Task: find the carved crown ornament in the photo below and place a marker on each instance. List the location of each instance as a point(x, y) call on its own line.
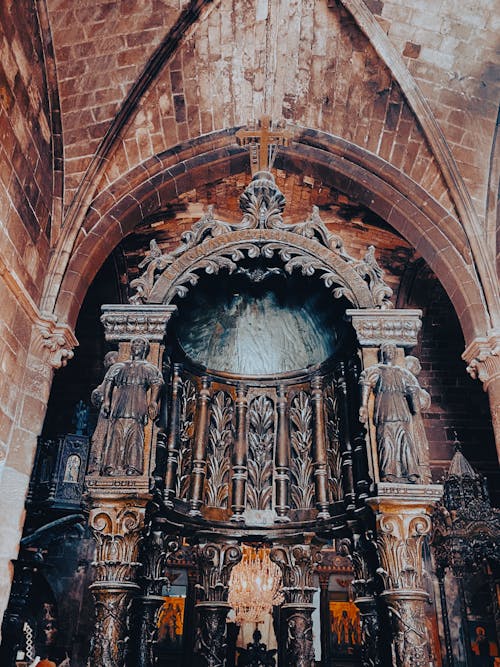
point(212, 245)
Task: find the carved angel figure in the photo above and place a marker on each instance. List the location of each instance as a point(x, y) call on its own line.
point(397, 399)
point(127, 407)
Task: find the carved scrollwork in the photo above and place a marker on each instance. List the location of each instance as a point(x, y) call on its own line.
point(215, 563)
point(110, 636)
point(212, 635)
point(297, 564)
point(212, 245)
point(157, 549)
point(260, 452)
point(117, 532)
point(411, 646)
point(301, 465)
point(300, 648)
point(399, 543)
point(220, 440)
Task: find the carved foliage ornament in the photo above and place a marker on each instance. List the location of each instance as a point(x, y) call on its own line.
point(297, 564)
point(220, 437)
point(300, 246)
point(215, 563)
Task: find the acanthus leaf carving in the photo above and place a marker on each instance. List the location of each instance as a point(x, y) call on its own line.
point(215, 562)
point(220, 437)
point(55, 340)
point(186, 434)
point(301, 465)
point(260, 450)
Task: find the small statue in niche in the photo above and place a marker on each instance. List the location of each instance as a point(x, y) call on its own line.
point(398, 398)
point(81, 418)
point(127, 408)
point(101, 430)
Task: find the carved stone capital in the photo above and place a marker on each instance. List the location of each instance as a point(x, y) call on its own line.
point(157, 548)
point(118, 530)
point(374, 327)
point(56, 341)
point(402, 522)
point(297, 564)
point(483, 359)
point(215, 562)
point(123, 322)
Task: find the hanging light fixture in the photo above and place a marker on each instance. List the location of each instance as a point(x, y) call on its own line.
point(254, 586)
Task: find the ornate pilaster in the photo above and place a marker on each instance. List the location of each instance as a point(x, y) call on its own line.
point(215, 563)
point(117, 527)
point(483, 362)
point(402, 514)
point(297, 564)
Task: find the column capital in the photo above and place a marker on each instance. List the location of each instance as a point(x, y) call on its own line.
point(123, 322)
point(56, 340)
point(483, 358)
point(374, 327)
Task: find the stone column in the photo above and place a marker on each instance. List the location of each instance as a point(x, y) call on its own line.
point(215, 563)
point(324, 614)
point(402, 515)
point(117, 527)
point(297, 564)
point(483, 362)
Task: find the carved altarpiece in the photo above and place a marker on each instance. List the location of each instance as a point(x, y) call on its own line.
point(279, 459)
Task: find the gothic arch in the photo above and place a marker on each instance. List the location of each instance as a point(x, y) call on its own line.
point(397, 199)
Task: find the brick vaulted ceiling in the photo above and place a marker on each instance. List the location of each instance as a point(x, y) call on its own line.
point(141, 79)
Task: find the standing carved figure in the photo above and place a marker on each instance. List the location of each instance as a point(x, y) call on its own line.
point(397, 400)
point(101, 430)
point(127, 407)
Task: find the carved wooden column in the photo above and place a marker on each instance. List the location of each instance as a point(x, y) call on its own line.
point(324, 614)
point(483, 363)
point(189, 633)
point(319, 449)
point(157, 547)
point(402, 514)
point(118, 498)
point(297, 564)
point(173, 438)
point(199, 449)
point(240, 457)
point(282, 463)
point(215, 564)
point(117, 529)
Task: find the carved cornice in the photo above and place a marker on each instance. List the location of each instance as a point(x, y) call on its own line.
point(374, 327)
point(483, 359)
point(124, 322)
point(55, 341)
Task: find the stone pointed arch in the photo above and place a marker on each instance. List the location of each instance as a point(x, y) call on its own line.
point(483, 254)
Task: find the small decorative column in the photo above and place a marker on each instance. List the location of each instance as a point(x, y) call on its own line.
point(324, 614)
point(362, 553)
point(200, 444)
point(123, 452)
point(297, 564)
point(215, 563)
point(319, 449)
point(402, 514)
point(157, 548)
point(483, 362)
point(281, 460)
point(240, 471)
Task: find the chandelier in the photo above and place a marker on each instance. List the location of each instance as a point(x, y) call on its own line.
point(254, 586)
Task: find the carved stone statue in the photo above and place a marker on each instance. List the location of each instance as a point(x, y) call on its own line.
point(398, 398)
point(101, 430)
point(127, 408)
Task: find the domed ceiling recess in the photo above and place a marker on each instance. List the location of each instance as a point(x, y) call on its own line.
point(260, 322)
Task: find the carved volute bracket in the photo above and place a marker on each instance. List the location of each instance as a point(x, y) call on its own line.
point(297, 564)
point(403, 520)
point(55, 341)
point(215, 562)
point(483, 363)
